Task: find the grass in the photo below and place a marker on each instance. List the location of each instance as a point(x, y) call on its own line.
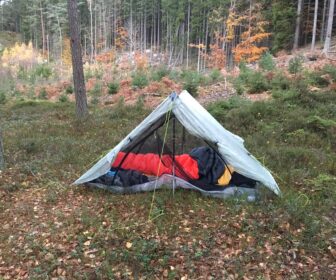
point(52, 229)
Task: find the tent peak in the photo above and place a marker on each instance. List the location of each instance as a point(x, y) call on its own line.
point(173, 96)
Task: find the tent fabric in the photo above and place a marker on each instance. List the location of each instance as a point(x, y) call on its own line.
point(198, 122)
point(167, 181)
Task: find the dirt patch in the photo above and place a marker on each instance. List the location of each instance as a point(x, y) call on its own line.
point(215, 92)
point(258, 96)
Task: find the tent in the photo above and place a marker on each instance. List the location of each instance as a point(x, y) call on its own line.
point(177, 130)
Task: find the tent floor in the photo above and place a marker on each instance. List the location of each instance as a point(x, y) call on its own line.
point(170, 182)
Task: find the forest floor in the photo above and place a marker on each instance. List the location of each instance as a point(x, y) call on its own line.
point(53, 230)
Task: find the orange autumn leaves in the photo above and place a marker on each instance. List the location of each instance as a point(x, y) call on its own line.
point(244, 33)
point(250, 47)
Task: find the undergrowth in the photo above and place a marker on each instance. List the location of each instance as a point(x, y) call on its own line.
point(46, 150)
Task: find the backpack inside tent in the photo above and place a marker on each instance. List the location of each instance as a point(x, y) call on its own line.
point(180, 145)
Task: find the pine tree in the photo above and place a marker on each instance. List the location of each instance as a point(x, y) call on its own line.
point(77, 63)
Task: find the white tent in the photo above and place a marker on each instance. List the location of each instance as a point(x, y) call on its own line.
point(198, 122)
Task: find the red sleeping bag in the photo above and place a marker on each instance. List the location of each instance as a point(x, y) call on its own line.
point(149, 164)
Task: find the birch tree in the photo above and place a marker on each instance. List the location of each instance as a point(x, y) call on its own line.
point(315, 25)
point(297, 25)
point(327, 41)
point(2, 154)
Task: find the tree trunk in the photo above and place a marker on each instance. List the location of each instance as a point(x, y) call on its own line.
point(48, 50)
point(297, 27)
point(323, 20)
point(2, 18)
point(315, 24)
point(104, 26)
point(329, 27)
point(91, 31)
point(60, 38)
point(42, 29)
point(199, 56)
point(188, 34)
point(131, 26)
point(2, 154)
point(158, 30)
point(145, 28)
point(95, 31)
point(77, 62)
point(307, 23)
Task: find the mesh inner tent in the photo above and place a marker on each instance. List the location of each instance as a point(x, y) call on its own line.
point(169, 141)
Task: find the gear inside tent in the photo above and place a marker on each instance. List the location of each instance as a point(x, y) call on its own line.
point(180, 145)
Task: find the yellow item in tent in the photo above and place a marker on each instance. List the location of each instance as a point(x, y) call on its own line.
point(224, 180)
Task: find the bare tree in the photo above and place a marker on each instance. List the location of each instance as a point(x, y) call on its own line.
point(42, 29)
point(329, 27)
point(77, 61)
point(2, 155)
point(323, 20)
point(315, 24)
point(297, 26)
point(188, 34)
point(91, 31)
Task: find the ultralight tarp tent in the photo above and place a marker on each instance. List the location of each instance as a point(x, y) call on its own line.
point(199, 123)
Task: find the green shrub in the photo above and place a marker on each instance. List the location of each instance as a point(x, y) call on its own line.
point(139, 80)
point(266, 62)
point(284, 93)
point(88, 74)
point(43, 94)
point(215, 75)
point(159, 73)
point(295, 64)
point(244, 73)
point(174, 75)
point(331, 70)
point(63, 98)
point(220, 108)
point(22, 73)
point(96, 90)
point(3, 98)
point(315, 78)
point(113, 87)
point(250, 81)
point(43, 71)
point(95, 73)
point(95, 100)
point(69, 89)
point(238, 85)
point(280, 81)
point(191, 81)
point(257, 83)
point(318, 124)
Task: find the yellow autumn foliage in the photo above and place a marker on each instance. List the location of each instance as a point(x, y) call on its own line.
point(20, 56)
point(66, 53)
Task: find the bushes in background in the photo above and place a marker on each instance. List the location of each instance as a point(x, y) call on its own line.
point(139, 80)
point(295, 64)
point(3, 98)
point(159, 73)
point(215, 75)
point(113, 87)
point(43, 71)
point(191, 81)
point(266, 62)
point(250, 81)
